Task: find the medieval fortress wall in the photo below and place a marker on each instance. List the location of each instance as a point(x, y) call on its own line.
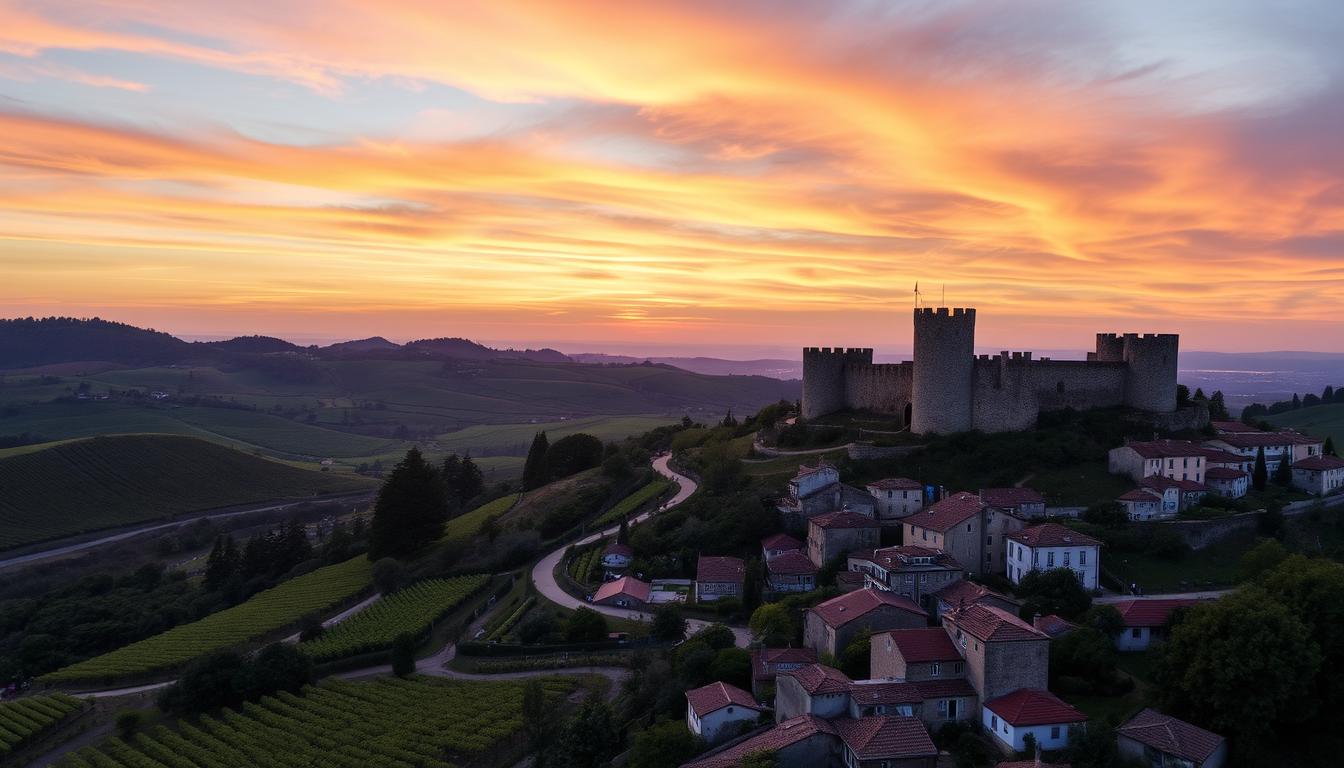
point(948, 388)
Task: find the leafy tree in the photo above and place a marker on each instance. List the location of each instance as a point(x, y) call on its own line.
point(729, 420)
point(1309, 400)
point(1297, 402)
point(535, 471)
point(1104, 618)
point(1108, 514)
point(588, 740)
point(388, 575)
point(278, 667)
point(1259, 475)
point(623, 532)
point(772, 625)
point(207, 684)
point(462, 479)
point(128, 723)
point(668, 622)
point(733, 666)
point(573, 454)
point(1085, 653)
point(1263, 557)
point(310, 627)
point(1329, 448)
point(717, 636)
point(538, 722)
point(751, 585)
point(411, 509)
point(1217, 407)
point(1054, 591)
point(221, 564)
point(854, 658)
point(1283, 473)
point(1182, 395)
point(403, 655)
point(1241, 665)
point(586, 626)
point(617, 466)
point(665, 745)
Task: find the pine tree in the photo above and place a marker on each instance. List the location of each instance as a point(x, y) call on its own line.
point(1218, 408)
point(218, 567)
point(1329, 449)
point(410, 511)
point(1283, 473)
point(623, 533)
point(470, 481)
point(1328, 394)
point(1297, 401)
point(536, 472)
point(1199, 394)
point(1260, 475)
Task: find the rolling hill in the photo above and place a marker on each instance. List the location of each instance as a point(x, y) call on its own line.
point(104, 482)
point(1319, 421)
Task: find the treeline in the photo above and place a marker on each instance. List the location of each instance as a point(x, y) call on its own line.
point(1255, 412)
point(416, 501)
point(1217, 408)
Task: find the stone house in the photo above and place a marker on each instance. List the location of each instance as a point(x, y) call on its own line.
point(1030, 711)
point(814, 689)
point(963, 526)
point(719, 577)
point(1173, 459)
point(720, 711)
point(818, 490)
point(885, 742)
point(960, 594)
point(1320, 474)
point(1151, 738)
point(834, 533)
point(1144, 504)
point(927, 659)
point(767, 663)
point(1051, 545)
point(830, 626)
point(812, 742)
point(1025, 503)
point(625, 592)
point(790, 572)
point(1227, 482)
point(895, 498)
point(778, 544)
point(801, 742)
point(1002, 652)
point(910, 571)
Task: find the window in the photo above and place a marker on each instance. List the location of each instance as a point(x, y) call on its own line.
point(1035, 558)
point(1054, 732)
point(1082, 557)
point(968, 527)
point(1134, 632)
point(923, 577)
point(925, 535)
point(957, 667)
point(993, 722)
point(942, 707)
point(989, 539)
point(935, 669)
point(1066, 559)
point(1049, 559)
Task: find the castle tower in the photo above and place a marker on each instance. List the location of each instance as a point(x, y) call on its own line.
point(1150, 384)
point(1110, 348)
point(824, 378)
point(944, 362)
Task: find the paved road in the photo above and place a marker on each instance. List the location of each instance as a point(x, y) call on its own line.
point(69, 549)
point(543, 574)
point(1206, 595)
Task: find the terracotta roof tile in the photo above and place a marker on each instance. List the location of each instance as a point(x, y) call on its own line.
point(886, 738)
point(818, 678)
point(895, 484)
point(917, 646)
point(1233, 427)
point(839, 611)
point(783, 735)
point(872, 692)
point(1153, 613)
point(617, 548)
point(716, 696)
point(843, 519)
point(1140, 494)
point(1029, 706)
point(1223, 473)
point(764, 661)
point(1031, 764)
point(1053, 535)
point(947, 513)
point(1166, 449)
point(903, 558)
point(1053, 625)
point(781, 541)
point(1010, 497)
point(945, 689)
point(992, 624)
point(628, 586)
point(791, 563)
point(967, 593)
point(714, 569)
point(1167, 734)
point(1320, 463)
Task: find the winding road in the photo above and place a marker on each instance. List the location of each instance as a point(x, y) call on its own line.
point(543, 573)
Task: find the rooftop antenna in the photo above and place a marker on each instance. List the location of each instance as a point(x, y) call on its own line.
point(916, 294)
point(944, 294)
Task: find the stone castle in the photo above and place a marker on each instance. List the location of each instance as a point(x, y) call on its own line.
point(947, 388)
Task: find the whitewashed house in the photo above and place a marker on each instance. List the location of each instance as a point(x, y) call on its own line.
point(1320, 474)
point(1030, 711)
point(1049, 546)
point(719, 711)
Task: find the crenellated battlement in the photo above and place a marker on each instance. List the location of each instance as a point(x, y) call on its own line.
point(946, 311)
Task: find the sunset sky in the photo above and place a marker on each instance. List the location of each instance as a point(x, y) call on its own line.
point(677, 175)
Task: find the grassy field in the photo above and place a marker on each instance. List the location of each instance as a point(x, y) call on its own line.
point(421, 721)
point(633, 502)
point(103, 482)
point(489, 439)
point(1217, 565)
point(1079, 486)
point(1319, 420)
point(261, 615)
point(465, 526)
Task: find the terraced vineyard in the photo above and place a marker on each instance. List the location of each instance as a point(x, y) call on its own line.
point(24, 721)
point(633, 502)
point(410, 610)
point(264, 613)
point(416, 723)
point(466, 525)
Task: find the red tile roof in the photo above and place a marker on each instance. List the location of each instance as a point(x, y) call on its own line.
point(804, 470)
point(1233, 427)
point(949, 688)
point(720, 569)
point(992, 624)
point(716, 696)
point(1214, 456)
point(1053, 625)
point(849, 577)
point(839, 611)
point(903, 557)
point(818, 678)
point(1174, 737)
point(1320, 463)
point(1140, 494)
point(781, 541)
point(873, 692)
point(1160, 482)
point(617, 548)
point(843, 519)
point(1166, 449)
point(886, 738)
point(895, 484)
point(918, 646)
point(627, 586)
point(785, 734)
point(1223, 473)
point(947, 513)
point(791, 563)
point(1267, 439)
point(1029, 706)
point(1153, 613)
point(1053, 535)
point(1010, 497)
point(764, 660)
point(964, 592)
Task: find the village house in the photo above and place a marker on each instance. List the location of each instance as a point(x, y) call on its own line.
point(1276, 445)
point(960, 594)
point(767, 663)
point(1050, 545)
point(927, 659)
point(1174, 459)
point(617, 556)
point(849, 581)
point(870, 698)
point(963, 526)
point(790, 572)
point(801, 742)
point(1037, 712)
point(719, 577)
point(1320, 474)
point(910, 571)
point(886, 742)
point(1002, 652)
point(1153, 739)
point(895, 498)
point(720, 711)
point(625, 592)
point(1227, 482)
point(818, 490)
point(835, 533)
point(1145, 504)
point(812, 742)
point(1052, 624)
point(830, 626)
point(1025, 503)
point(778, 544)
point(1146, 621)
point(814, 689)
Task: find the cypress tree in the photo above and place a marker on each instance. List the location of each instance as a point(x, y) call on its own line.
point(535, 469)
point(1260, 475)
point(623, 533)
point(1328, 394)
point(218, 567)
point(1329, 449)
point(470, 481)
point(1297, 401)
point(411, 509)
point(1283, 474)
point(1218, 408)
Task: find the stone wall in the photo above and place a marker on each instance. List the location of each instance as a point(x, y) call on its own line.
point(883, 388)
point(1014, 665)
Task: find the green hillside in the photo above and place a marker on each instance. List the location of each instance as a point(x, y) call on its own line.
point(1319, 421)
point(103, 482)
